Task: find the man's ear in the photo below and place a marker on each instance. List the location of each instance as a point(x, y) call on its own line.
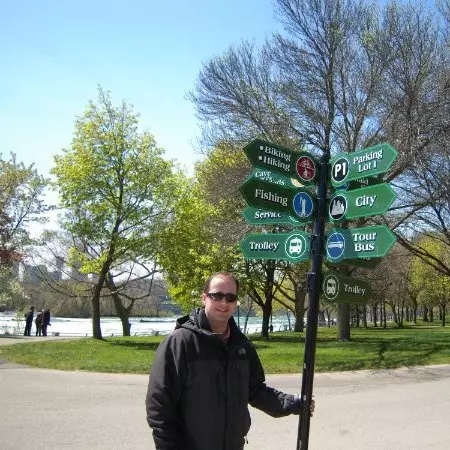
point(204, 298)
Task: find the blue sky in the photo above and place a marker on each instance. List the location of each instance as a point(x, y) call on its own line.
point(147, 52)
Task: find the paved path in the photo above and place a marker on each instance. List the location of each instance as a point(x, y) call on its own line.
point(403, 409)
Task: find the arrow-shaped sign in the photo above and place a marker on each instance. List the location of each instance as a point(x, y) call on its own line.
point(257, 216)
point(282, 160)
point(364, 242)
point(365, 202)
point(298, 203)
point(293, 247)
point(361, 164)
point(275, 178)
point(341, 289)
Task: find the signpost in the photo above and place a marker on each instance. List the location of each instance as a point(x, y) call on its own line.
point(282, 160)
point(298, 203)
point(341, 289)
point(293, 247)
point(273, 196)
point(365, 202)
point(361, 164)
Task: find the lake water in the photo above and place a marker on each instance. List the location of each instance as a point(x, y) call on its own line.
point(112, 326)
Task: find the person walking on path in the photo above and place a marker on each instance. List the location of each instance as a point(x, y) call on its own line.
point(204, 376)
point(45, 321)
point(28, 321)
point(38, 322)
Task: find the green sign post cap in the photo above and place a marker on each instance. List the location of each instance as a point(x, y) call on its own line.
point(279, 159)
point(364, 202)
point(361, 164)
point(293, 247)
point(342, 289)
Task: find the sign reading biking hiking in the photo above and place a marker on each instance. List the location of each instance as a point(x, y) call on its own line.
point(361, 164)
point(282, 160)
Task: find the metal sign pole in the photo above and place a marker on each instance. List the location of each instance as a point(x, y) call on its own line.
point(313, 286)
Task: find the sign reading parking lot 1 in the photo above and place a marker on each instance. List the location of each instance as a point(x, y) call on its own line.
point(364, 242)
point(293, 247)
point(282, 160)
point(361, 164)
point(342, 289)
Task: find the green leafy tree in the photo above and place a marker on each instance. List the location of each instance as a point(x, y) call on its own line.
point(21, 204)
point(118, 192)
point(434, 285)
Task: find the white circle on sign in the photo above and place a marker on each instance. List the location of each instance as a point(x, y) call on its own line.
point(339, 170)
point(337, 207)
point(295, 246)
point(330, 286)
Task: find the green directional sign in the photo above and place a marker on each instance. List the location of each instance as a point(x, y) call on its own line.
point(363, 263)
point(341, 289)
point(361, 164)
point(293, 247)
point(356, 243)
point(364, 202)
point(274, 177)
point(257, 216)
point(360, 183)
point(282, 160)
point(298, 203)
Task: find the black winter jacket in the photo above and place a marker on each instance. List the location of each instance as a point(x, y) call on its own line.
point(200, 386)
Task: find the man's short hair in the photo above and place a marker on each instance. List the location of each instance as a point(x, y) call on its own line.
point(228, 275)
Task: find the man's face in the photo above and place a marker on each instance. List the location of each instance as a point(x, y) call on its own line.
point(219, 311)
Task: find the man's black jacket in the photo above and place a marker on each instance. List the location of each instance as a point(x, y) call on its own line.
point(200, 386)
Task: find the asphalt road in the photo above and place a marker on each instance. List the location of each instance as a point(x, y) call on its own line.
point(390, 409)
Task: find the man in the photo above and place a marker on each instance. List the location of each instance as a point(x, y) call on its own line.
point(205, 374)
point(28, 321)
point(45, 321)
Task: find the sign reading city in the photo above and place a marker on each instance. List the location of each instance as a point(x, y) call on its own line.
point(298, 203)
point(257, 216)
point(361, 164)
point(293, 247)
point(364, 202)
point(341, 289)
point(365, 242)
point(282, 160)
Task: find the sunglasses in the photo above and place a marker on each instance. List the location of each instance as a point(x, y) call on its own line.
point(218, 296)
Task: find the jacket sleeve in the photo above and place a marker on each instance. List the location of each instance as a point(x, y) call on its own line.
point(163, 394)
point(265, 398)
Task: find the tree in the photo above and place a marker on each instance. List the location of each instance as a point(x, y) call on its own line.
point(435, 286)
point(118, 192)
point(344, 75)
point(21, 204)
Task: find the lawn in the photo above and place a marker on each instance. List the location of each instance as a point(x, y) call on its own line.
point(372, 348)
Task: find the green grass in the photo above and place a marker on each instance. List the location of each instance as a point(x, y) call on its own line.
point(373, 348)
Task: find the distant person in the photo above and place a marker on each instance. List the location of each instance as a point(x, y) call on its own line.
point(205, 374)
point(45, 321)
point(38, 322)
point(28, 321)
point(270, 328)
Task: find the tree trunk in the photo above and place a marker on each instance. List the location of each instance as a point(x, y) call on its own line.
point(343, 318)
